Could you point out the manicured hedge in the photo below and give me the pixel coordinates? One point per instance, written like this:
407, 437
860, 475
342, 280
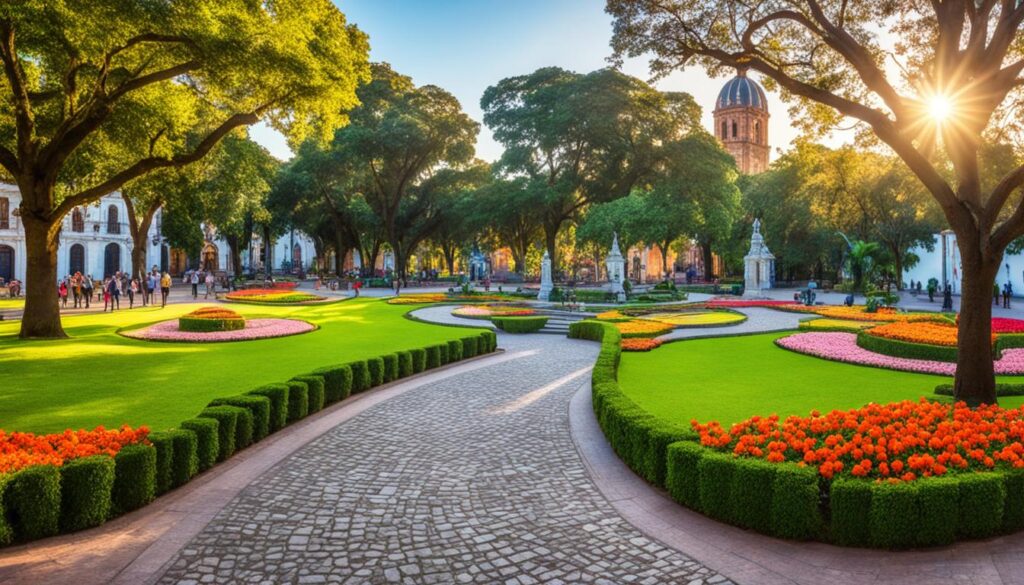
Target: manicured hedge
316, 395
405, 367
361, 381
192, 324
185, 462
298, 400
419, 359
227, 428
433, 354
376, 368
85, 488
443, 352
520, 324
454, 351
206, 431
134, 478
470, 347
164, 445
390, 367
1001, 389
337, 382
492, 340
278, 396
32, 500
903, 349
6, 532
257, 405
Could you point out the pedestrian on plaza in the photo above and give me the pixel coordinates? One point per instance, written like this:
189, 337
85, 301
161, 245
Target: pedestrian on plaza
62, 292
194, 280
1007, 291
76, 288
995, 294
165, 289
106, 293
87, 289
210, 283
133, 288
152, 283
358, 284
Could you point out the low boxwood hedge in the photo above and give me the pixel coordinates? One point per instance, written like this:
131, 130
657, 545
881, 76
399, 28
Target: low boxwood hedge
419, 359
337, 382
257, 405
164, 445
361, 381
206, 431
520, 324
227, 428
470, 347
1002, 389
390, 367
444, 353
375, 367
315, 391
904, 349
185, 458
201, 325
433, 355
278, 396
134, 478
298, 400
454, 350
6, 532
86, 485
405, 367
32, 501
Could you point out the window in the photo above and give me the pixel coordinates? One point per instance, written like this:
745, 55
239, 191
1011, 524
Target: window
5, 213
757, 133
725, 129
77, 221
734, 133
113, 227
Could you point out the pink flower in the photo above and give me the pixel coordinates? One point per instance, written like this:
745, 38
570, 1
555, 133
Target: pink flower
254, 329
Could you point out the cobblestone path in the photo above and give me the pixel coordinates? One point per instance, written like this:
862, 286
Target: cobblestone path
474, 479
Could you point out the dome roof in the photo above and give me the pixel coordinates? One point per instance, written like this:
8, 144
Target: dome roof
742, 92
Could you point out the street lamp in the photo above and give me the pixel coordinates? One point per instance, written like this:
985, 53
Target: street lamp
945, 279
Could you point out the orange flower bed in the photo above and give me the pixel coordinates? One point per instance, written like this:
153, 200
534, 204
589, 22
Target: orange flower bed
639, 344
898, 441
20, 450
857, 313
641, 328
927, 332
213, 313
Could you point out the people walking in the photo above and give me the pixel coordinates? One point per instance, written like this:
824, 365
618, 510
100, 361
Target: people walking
76, 289
152, 283
210, 286
87, 286
62, 292
358, 284
165, 289
133, 288
194, 280
995, 294
1007, 291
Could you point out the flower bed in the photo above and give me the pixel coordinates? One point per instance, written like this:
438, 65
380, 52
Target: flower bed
842, 347
487, 311
826, 324
902, 441
613, 316
274, 296
1005, 325
21, 450
254, 329
744, 304
697, 318
209, 319
642, 328
858, 313
929, 333
421, 298
639, 344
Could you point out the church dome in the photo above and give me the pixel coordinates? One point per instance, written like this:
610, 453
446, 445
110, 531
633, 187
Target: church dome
742, 92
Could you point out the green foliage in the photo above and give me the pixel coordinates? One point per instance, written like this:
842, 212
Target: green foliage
337, 382
298, 400
1002, 389
433, 356
361, 378
227, 428
454, 351
208, 325
520, 324
375, 367
937, 503
6, 532
982, 499
715, 471
405, 368
753, 483
164, 445
894, 514
795, 509
315, 384
682, 477
32, 499
470, 346
86, 485
278, 396
134, 478
587, 329
207, 434
1013, 511
259, 407
443, 353
488, 342
904, 349
390, 367
185, 448
419, 359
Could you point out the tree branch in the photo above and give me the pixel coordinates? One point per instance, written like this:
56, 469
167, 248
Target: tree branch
9, 161
22, 105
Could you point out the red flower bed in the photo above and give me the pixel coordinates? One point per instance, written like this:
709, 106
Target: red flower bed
741, 304
20, 450
1004, 325
639, 344
897, 441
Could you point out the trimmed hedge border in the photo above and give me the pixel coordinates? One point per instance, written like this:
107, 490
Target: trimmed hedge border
1001, 389
520, 324
905, 349
789, 501
45, 500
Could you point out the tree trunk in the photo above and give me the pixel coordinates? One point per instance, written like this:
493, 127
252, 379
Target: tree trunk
551, 240
898, 265
235, 249
340, 251
664, 259
268, 267
41, 318
709, 261
975, 377
449, 259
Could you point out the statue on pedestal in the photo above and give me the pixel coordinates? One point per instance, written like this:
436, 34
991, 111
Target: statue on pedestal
546, 284
758, 265
616, 265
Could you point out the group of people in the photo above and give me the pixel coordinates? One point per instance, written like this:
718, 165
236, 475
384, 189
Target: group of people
1007, 293
13, 287
195, 277
82, 287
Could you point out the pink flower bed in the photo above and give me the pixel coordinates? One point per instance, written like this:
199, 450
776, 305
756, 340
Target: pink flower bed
842, 347
1004, 325
254, 329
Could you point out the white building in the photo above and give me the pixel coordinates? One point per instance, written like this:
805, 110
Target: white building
950, 271
96, 240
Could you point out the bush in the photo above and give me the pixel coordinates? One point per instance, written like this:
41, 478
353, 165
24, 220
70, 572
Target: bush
419, 360
257, 405
206, 431
86, 485
982, 497
164, 445
469, 347
850, 502
298, 400
753, 482
376, 368
337, 382
405, 366
1013, 511
715, 471
904, 349
1001, 389
682, 477
6, 532
134, 478
488, 341
937, 501
209, 325
390, 367
227, 428
185, 461
520, 324
33, 502
454, 350
278, 396
243, 429
361, 381
443, 352
588, 329
893, 514
433, 356
316, 391
796, 512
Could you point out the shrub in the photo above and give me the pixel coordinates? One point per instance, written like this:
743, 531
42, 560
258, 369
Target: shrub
86, 485
206, 431
404, 364
753, 482
443, 352
243, 428
796, 512
134, 478
893, 515
469, 347
433, 355
520, 324
682, 477
33, 502
227, 428
315, 386
850, 502
390, 367
419, 359
337, 382
298, 400
164, 445
982, 497
361, 380
209, 319
715, 471
6, 532
492, 340
1013, 511
454, 350
905, 349
257, 405
376, 368
185, 461
937, 501
587, 329
278, 396
1001, 389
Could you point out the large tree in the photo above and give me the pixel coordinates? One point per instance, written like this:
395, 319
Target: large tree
586, 138
959, 74
96, 94
507, 211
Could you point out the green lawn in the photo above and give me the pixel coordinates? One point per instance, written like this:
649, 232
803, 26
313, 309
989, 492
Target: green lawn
100, 377
729, 379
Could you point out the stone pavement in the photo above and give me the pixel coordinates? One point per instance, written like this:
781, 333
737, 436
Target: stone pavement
474, 479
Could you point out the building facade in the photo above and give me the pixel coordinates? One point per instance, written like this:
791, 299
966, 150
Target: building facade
741, 123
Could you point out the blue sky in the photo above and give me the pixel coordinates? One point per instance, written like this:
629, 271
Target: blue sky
465, 46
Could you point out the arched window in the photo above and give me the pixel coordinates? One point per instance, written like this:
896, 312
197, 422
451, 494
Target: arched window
76, 261
77, 220
734, 129
113, 225
5, 213
296, 257
757, 132
725, 129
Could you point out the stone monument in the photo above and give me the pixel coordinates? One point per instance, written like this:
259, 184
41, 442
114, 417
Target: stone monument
477, 265
616, 270
546, 284
758, 265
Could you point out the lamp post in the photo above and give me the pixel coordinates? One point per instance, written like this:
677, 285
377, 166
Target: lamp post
945, 254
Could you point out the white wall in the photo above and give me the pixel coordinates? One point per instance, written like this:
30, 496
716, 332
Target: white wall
930, 266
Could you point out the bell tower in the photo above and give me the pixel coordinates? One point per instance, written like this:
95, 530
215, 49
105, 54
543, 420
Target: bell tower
741, 123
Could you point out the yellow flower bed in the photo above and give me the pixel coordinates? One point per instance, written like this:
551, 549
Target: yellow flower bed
695, 318
613, 316
857, 313
418, 299
643, 328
